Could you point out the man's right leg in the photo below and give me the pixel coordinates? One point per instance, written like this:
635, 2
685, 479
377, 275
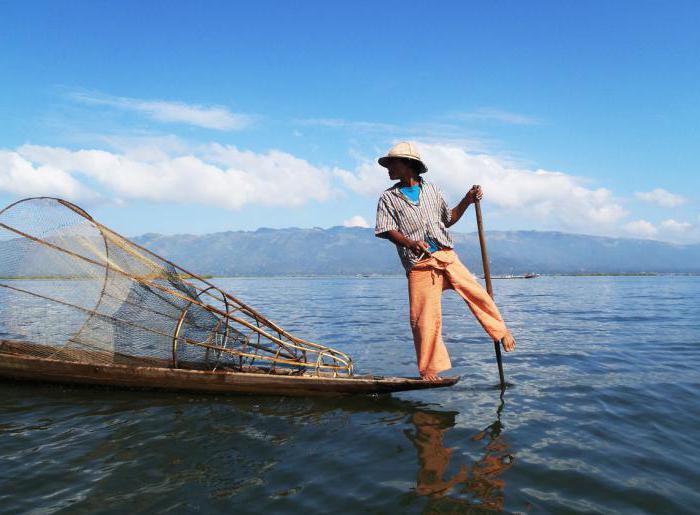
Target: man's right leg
425, 293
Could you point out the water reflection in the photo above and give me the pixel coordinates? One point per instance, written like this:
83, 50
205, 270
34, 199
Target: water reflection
481, 485
249, 450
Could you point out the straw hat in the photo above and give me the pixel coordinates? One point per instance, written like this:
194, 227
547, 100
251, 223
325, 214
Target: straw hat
404, 149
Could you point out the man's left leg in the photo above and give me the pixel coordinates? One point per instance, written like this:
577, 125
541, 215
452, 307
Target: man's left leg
479, 301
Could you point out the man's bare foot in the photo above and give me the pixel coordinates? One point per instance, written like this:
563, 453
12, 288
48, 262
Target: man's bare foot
508, 342
430, 377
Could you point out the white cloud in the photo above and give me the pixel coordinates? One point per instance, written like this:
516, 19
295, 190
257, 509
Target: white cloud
425, 131
356, 221
553, 199
166, 169
145, 147
675, 226
368, 179
661, 197
210, 117
221, 176
498, 115
21, 177
338, 123
641, 228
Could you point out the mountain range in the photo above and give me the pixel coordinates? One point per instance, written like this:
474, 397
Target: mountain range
354, 250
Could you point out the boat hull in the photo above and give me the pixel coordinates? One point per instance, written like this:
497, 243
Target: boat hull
218, 381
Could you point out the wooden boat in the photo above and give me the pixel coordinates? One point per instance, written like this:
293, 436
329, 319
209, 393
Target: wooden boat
17, 363
108, 311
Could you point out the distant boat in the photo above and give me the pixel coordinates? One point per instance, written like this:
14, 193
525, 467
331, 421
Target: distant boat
513, 276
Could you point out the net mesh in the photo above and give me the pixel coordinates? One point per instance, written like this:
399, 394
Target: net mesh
74, 290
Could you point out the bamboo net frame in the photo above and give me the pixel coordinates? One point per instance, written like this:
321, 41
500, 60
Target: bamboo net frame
78, 291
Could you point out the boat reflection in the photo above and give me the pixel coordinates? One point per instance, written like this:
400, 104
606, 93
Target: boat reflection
481, 484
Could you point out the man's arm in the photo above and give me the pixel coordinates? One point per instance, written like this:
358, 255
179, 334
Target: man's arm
473, 194
399, 239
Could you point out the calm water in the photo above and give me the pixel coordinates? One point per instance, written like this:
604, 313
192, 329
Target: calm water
603, 414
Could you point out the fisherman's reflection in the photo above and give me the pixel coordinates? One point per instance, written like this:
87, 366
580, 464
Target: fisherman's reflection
481, 483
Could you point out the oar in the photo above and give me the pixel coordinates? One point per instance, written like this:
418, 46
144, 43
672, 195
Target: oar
489, 289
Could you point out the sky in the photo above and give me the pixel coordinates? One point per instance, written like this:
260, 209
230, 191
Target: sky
198, 117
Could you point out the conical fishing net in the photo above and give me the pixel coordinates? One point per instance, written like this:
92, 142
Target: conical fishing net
73, 290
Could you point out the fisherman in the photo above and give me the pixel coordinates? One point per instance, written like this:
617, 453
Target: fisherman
414, 216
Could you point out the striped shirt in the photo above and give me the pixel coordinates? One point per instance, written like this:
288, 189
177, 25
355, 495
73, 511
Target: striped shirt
424, 221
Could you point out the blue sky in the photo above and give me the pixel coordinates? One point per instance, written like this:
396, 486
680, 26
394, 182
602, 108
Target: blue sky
181, 117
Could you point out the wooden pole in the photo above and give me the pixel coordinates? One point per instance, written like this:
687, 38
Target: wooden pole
489, 288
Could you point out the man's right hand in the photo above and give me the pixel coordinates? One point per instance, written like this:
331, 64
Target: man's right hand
418, 246
397, 238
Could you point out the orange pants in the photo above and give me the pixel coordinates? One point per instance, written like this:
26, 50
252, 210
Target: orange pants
427, 279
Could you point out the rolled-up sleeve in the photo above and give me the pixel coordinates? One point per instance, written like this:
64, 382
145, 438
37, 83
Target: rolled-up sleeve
386, 219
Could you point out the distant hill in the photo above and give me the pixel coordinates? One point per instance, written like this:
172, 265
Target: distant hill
353, 250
